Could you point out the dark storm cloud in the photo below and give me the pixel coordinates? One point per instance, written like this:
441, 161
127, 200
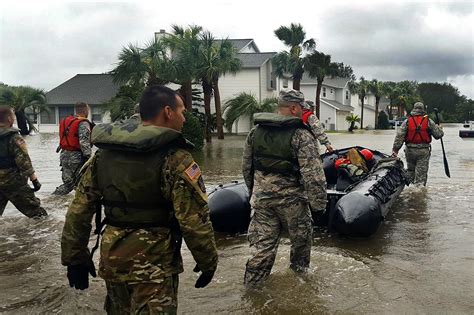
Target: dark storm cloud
395, 42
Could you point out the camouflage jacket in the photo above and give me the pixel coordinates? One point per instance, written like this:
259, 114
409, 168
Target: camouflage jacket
433, 129
84, 132
16, 146
318, 130
310, 186
148, 254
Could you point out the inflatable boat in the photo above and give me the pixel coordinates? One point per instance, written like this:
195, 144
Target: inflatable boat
354, 208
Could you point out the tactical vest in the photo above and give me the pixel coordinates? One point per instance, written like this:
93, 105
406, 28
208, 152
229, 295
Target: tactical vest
69, 133
129, 173
417, 130
272, 150
7, 159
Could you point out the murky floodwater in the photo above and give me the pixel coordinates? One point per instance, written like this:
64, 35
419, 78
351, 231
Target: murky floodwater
420, 261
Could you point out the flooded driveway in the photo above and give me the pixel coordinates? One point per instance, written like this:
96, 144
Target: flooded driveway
420, 261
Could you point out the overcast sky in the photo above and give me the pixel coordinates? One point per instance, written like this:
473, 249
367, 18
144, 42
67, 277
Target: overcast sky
44, 43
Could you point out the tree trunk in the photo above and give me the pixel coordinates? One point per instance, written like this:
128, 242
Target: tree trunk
390, 106
207, 90
22, 122
362, 113
217, 103
377, 101
351, 127
296, 84
318, 98
187, 89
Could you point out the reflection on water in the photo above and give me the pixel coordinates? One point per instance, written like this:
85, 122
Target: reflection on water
420, 261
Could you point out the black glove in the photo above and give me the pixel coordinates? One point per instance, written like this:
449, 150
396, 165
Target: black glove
36, 185
205, 277
78, 275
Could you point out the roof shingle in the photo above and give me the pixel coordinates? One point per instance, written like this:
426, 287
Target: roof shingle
254, 60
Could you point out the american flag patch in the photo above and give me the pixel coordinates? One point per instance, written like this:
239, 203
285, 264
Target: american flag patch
193, 171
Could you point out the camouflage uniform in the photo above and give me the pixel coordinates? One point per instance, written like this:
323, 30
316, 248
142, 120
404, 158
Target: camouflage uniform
417, 155
141, 265
14, 173
280, 202
318, 130
72, 161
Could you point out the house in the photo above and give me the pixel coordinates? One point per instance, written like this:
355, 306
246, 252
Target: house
335, 100
93, 89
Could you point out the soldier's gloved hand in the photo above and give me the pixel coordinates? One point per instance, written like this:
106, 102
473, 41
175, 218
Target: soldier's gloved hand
36, 184
205, 277
329, 148
78, 276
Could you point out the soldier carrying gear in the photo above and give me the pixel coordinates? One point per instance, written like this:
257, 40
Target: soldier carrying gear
15, 169
312, 120
283, 172
416, 133
75, 146
156, 199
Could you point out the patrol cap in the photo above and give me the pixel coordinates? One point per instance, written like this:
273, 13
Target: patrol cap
308, 104
419, 106
291, 96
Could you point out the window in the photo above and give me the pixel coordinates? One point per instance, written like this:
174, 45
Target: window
285, 83
332, 91
65, 111
324, 91
347, 95
48, 115
96, 112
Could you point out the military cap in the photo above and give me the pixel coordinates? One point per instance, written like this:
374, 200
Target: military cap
308, 104
291, 96
419, 106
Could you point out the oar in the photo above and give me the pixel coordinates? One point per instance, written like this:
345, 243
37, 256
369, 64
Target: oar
445, 160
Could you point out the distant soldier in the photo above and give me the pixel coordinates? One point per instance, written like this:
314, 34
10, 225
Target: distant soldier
153, 195
312, 120
416, 133
283, 172
15, 169
75, 144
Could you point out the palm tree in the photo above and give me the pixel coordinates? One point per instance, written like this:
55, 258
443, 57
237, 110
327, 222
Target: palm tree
149, 65
360, 88
389, 90
319, 65
407, 95
376, 87
217, 59
246, 104
352, 119
292, 61
184, 45
21, 98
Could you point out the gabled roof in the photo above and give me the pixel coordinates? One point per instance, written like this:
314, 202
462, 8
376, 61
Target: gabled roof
337, 105
89, 88
254, 60
335, 82
240, 44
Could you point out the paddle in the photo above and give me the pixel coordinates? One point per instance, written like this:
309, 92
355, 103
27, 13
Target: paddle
445, 160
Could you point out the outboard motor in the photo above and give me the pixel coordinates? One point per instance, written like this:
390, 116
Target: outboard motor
229, 208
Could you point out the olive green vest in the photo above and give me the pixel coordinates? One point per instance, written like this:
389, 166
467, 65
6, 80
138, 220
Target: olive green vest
129, 172
272, 150
7, 160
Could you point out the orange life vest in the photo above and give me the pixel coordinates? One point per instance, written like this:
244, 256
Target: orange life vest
305, 116
418, 130
69, 133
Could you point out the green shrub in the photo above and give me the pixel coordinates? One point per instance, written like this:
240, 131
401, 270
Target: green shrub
383, 121
193, 130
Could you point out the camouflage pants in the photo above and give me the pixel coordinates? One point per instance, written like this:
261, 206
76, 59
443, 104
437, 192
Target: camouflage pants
418, 160
16, 190
70, 170
142, 298
264, 235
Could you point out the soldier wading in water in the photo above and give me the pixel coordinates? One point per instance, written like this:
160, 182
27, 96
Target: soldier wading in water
283, 172
153, 194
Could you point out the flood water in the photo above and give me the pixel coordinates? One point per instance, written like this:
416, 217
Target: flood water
421, 260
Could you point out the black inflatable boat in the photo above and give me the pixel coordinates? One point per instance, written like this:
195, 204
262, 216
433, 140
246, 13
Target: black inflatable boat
353, 208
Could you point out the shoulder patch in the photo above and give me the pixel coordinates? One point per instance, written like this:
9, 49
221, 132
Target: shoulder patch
193, 171
20, 142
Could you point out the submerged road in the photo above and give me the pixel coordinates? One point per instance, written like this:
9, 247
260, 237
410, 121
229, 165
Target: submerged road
420, 261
